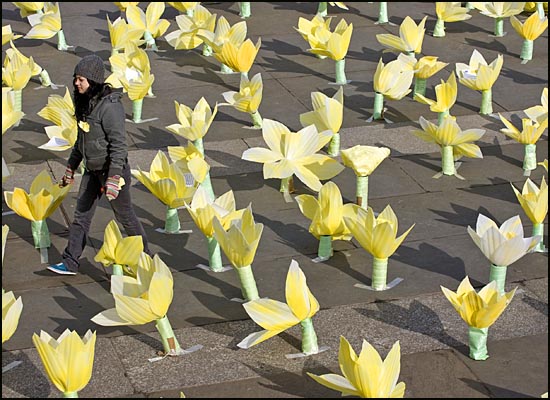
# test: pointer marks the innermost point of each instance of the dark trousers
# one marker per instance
(91, 190)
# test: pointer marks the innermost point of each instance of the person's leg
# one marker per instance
(88, 195)
(124, 210)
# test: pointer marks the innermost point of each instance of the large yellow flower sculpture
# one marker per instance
(448, 11)
(187, 36)
(499, 10)
(60, 110)
(248, 98)
(121, 33)
(534, 202)
(11, 312)
(445, 98)
(149, 23)
(423, 69)
(48, 24)
(238, 57)
(36, 70)
(539, 113)
(531, 29)
(409, 40)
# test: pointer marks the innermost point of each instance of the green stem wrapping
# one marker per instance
(341, 72)
(114, 52)
(206, 50)
(150, 40)
(334, 145)
(419, 86)
(322, 10)
(40, 234)
(72, 395)
(526, 50)
(244, 75)
(530, 157)
(117, 270)
(137, 106)
(167, 336)
(498, 274)
(18, 100)
(190, 12)
(378, 105)
(198, 143)
(287, 184)
(486, 102)
(441, 116)
(362, 191)
(469, 6)
(214, 255)
(540, 9)
(477, 339)
(379, 273)
(245, 9)
(207, 185)
(256, 119)
(309, 337)
(172, 223)
(248, 283)
(61, 42)
(447, 160)
(439, 30)
(383, 13)
(499, 27)
(226, 70)
(411, 53)
(325, 246)
(45, 78)
(538, 229)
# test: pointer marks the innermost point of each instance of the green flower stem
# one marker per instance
(245, 9)
(114, 52)
(379, 273)
(322, 10)
(538, 229)
(117, 270)
(477, 339)
(214, 255)
(441, 116)
(419, 86)
(198, 143)
(150, 40)
(287, 184)
(72, 395)
(309, 337)
(447, 160)
(206, 50)
(378, 105)
(362, 191)
(226, 70)
(45, 78)
(248, 283)
(527, 50)
(256, 119)
(137, 106)
(40, 234)
(334, 145)
(244, 74)
(530, 157)
(325, 246)
(439, 30)
(18, 100)
(383, 13)
(61, 42)
(486, 102)
(167, 336)
(411, 53)
(498, 274)
(340, 72)
(207, 185)
(469, 6)
(190, 12)
(540, 9)
(172, 223)
(499, 27)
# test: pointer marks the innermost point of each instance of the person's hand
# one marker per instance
(112, 187)
(68, 178)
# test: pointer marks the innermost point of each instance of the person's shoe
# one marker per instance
(61, 269)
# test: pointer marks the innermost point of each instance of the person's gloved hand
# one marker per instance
(112, 187)
(68, 178)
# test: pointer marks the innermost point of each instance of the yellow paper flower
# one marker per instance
(223, 33)
(451, 11)
(377, 235)
(190, 160)
(123, 5)
(249, 96)
(27, 8)
(9, 115)
(275, 316)
(427, 66)
(364, 159)
(14, 52)
(204, 211)
(498, 9)
(294, 153)
(149, 22)
(365, 375)
(478, 310)
(186, 37)
(11, 311)
(60, 111)
(166, 181)
(119, 250)
(42, 200)
(326, 213)
(410, 37)
(142, 299)
(8, 35)
(17, 72)
(328, 112)
(501, 246)
(238, 57)
(393, 80)
(539, 113)
(533, 200)
(133, 72)
(120, 33)
(307, 28)
(69, 360)
(333, 45)
(445, 94)
(5, 231)
(46, 25)
(477, 75)
(240, 242)
(193, 123)
(530, 133)
(183, 6)
(532, 28)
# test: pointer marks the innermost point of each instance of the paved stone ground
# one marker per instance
(437, 252)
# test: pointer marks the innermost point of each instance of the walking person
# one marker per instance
(101, 144)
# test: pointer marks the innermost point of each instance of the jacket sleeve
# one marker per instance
(113, 125)
(76, 155)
